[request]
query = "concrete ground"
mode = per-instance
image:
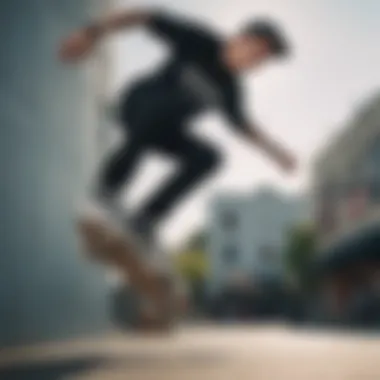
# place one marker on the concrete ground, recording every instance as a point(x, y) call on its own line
point(245, 352)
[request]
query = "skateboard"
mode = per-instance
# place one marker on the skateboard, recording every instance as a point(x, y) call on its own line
point(106, 243)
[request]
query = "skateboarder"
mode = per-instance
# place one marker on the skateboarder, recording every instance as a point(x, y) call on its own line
point(202, 73)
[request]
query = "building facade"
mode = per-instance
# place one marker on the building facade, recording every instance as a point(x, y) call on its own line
point(347, 200)
point(247, 235)
point(49, 143)
point(347, 177)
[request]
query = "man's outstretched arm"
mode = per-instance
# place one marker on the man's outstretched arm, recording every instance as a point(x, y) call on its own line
point(271, 148)
point(81, 43)
point(180, 34)
point(257, 136)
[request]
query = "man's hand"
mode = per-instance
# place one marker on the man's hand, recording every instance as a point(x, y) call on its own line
point(287, 161)
point(80, 44)
point(77, 46)
point(275, 151)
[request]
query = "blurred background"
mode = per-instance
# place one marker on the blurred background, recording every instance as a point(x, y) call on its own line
point(251, 245)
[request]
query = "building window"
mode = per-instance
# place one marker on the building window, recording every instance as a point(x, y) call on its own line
point(375, 191)
point(370, 163)
point(230, 255)
point(368, 171)
point(229, 220)
point(268, 255)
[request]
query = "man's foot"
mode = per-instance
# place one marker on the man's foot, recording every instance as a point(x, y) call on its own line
point(142, 230)
point(98, 235)
point(109, 204)
point(96, 220)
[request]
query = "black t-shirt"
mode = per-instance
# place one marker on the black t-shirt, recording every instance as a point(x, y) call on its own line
point(195, 77)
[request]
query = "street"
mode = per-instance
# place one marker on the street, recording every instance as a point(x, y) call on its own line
point(245, 352)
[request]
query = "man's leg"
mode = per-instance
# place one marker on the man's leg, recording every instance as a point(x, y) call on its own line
point(119, 168)
point(197, 159)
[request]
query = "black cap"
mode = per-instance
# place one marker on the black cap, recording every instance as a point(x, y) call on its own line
point(271, 32)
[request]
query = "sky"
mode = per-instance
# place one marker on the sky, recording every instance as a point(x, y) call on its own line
point(303, 102)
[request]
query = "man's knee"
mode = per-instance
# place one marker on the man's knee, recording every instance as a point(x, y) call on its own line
point(206, 160)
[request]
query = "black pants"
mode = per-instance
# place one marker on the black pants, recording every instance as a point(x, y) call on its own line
point(151, 127)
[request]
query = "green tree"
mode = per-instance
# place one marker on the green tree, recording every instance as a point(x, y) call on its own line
point(299, 255)
point(191, 262)
point(197, 241)
point(192, 265)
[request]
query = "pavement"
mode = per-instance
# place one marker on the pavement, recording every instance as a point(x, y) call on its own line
point(203, 352)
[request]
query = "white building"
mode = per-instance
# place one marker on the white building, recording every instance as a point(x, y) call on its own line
point(48, 146)
point(247, 235)
point(347, 177)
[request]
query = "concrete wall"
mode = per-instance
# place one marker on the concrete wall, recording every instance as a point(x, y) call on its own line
point(47, 150)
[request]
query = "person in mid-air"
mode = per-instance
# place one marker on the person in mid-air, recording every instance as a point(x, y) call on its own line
point(202, 73)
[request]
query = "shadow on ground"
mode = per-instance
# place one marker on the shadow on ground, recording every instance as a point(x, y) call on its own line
point(52, 370)
point(63, 368)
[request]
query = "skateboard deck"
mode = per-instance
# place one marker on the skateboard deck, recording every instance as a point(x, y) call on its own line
point(107, 244)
